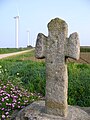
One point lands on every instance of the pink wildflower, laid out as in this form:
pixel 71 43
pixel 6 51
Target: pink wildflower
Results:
pixel 3 116
pixel 3 99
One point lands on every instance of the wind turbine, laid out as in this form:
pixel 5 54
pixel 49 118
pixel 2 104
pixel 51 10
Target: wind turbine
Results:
pixel 28 36
pixel 17 28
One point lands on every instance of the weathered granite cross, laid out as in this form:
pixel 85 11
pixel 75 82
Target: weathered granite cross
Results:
pixel 55 49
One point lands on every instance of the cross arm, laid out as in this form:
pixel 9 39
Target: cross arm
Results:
pixel 73 46
pixel 40 49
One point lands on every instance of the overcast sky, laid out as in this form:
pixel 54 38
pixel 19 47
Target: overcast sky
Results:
pixel 35 15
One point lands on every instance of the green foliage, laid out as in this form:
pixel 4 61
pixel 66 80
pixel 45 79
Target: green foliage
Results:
pixel 30 74
pixel 79 84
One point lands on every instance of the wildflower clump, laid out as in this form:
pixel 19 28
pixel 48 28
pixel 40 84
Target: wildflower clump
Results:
pixel 12 97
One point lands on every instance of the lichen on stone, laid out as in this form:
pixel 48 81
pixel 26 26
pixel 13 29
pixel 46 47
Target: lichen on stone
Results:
pixel 53 104
pixel 57 24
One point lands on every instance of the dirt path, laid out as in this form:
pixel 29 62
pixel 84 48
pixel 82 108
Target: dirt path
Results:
pixel 15 53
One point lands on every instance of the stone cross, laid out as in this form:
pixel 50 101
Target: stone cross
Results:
pixel 56 48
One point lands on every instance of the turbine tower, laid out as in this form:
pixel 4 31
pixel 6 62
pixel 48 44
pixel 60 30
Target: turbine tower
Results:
pixel 28 36
pixel 16 30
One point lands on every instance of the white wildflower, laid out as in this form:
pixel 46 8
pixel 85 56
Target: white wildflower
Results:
pixel 0 66
pixel 17 73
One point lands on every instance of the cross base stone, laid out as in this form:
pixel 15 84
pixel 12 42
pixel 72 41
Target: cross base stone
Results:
pixel 36 111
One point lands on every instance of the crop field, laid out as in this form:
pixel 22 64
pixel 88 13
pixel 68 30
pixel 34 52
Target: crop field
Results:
pixel 84 58
pixel 26 75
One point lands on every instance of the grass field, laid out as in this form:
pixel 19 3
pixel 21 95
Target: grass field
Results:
pixel 11 50
pixel 28 74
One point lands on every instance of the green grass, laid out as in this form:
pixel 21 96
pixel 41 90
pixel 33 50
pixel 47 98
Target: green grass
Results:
pixel 16 90
pixel 11 50
pixel 79 84
pixel 31 76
